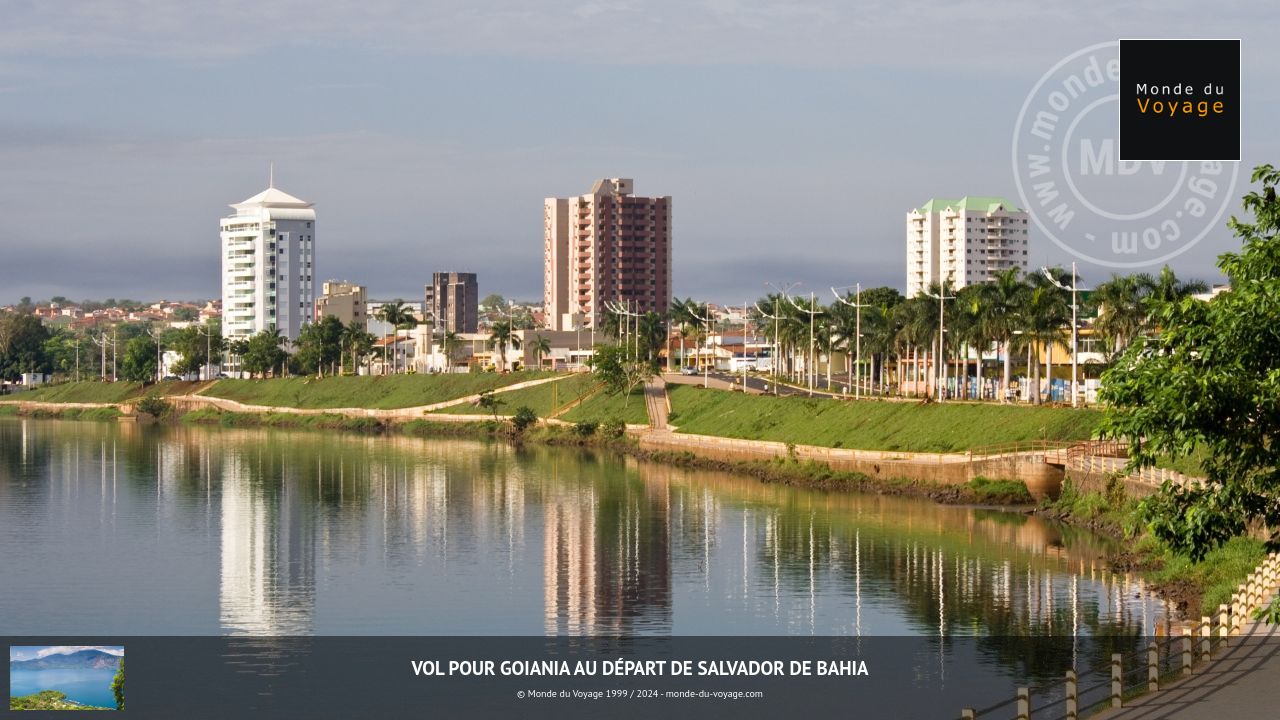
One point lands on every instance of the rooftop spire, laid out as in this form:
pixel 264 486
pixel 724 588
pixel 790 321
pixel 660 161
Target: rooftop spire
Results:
pixel 271 175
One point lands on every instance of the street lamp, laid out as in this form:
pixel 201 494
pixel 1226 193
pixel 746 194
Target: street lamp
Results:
pixel 857 305
pixel 1075 327
pixel 208 349
pixel 777 346
pixel 159 354
pixel 813 312
pixel 706 369
pixel 941 373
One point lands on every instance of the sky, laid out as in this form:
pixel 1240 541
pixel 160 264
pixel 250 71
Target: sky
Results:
pixel 792 136
pixel 33 652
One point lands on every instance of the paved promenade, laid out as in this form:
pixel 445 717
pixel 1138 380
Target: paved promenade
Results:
pixel 1243 682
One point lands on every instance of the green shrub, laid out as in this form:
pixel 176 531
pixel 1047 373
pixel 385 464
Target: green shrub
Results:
pixel 1001 491
pixel 523 418
pixel 586 428
pixel 153 405
pixel 614 428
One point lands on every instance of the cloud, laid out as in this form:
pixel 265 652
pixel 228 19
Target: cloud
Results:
pixel 992 33
pixel 19 652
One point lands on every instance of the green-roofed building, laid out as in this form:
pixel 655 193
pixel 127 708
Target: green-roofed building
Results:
pixel 963 241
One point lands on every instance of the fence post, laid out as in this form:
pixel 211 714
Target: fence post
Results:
pixel 1224 622
pixel 1116 680
pixel 1186 651
pixel 1024 703
pixel 1153 666
pixel 968 714
pixel 1205 635
pixel 1073 696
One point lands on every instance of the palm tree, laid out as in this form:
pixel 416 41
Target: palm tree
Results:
pixel 541 346
pixel 1002 302
pixel 970 326
pixel 450 346
pixel 395 314
pixel 1166 288
pixel 500 337
pixel 357 341
pixel 1046 308
pixel 1120 303
pixel 652 329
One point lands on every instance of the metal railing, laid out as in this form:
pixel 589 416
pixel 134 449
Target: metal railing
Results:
pixel 1146 669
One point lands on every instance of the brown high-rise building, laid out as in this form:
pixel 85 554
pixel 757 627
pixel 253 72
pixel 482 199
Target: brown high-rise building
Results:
pixel 451 302
pixel 605 246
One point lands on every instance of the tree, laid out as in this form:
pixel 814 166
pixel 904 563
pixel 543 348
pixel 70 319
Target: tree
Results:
pixel 487 401
pixel 541 346
pixel 22 346
pixel 450 345
pixel 501 336
pixel 1046 307
pixel 139 361
pixel 194 344
pixel 524 418
pixel 263 353
pixel 320 345
pixel 1209 381
pixel 1003 303
pixel 1121 308
pixel 619 373
pixel 357 341
pixel 397 315
pixel 117 685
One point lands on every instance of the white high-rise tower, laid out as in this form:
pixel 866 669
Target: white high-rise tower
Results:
pixel 268 254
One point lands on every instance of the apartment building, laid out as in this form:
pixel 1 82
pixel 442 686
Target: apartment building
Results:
pixel 268 257
pixel 344 300
pixel 451 302
pixel 606 246
pixel 964 241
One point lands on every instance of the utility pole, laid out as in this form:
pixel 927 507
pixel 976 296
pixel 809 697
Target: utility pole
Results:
pixel 857 305
pixel 941 358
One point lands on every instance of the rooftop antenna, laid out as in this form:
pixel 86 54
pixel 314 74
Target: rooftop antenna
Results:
pixel 271 175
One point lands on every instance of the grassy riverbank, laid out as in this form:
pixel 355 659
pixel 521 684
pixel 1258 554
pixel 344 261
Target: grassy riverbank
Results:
pixel 544 399
pixel 872 424
pixel 1196 588
pixel 378 392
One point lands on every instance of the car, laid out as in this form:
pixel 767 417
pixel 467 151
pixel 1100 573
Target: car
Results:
pixel 688 370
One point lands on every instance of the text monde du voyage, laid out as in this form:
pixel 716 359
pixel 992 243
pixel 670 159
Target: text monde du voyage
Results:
pixel 640 668
pixel 1180 99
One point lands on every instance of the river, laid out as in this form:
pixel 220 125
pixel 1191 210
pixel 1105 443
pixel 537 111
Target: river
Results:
pixel 122 529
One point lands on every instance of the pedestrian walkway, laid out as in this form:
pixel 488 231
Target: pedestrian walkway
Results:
pixel 655 401
pixel 1242 682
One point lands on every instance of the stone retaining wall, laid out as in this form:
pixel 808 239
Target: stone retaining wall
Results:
pixel 1041 478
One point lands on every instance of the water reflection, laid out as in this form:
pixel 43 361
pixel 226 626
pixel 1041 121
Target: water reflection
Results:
pixel 253 532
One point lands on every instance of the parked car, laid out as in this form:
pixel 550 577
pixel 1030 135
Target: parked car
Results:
pixel 688 370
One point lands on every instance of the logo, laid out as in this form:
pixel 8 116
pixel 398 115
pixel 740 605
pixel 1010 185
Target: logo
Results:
pixel 1077 190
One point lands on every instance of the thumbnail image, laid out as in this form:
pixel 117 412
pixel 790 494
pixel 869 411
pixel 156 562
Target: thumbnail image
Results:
pixel 66 677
